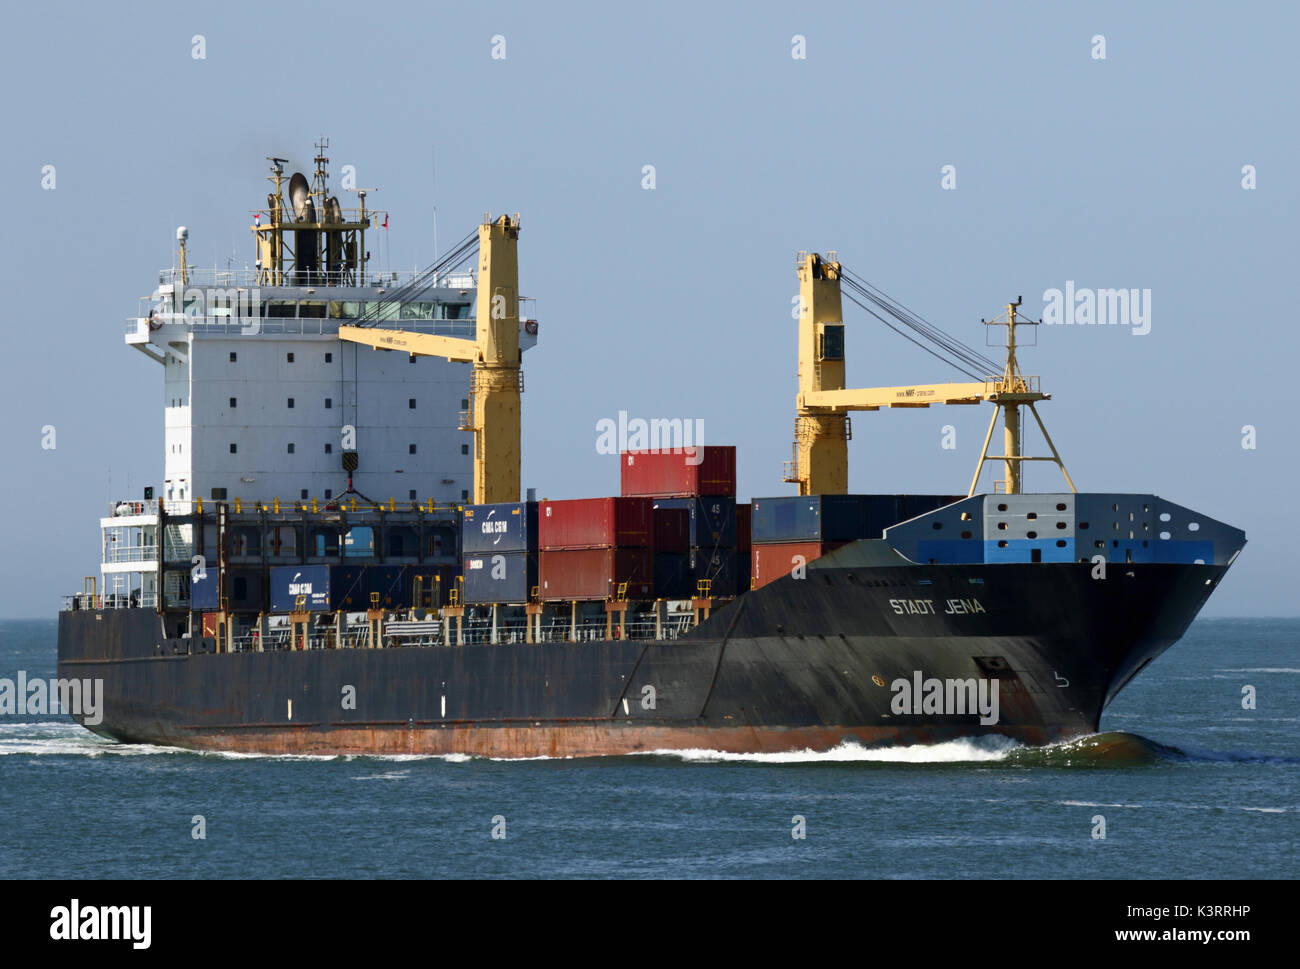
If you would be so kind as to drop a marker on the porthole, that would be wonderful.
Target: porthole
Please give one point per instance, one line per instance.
(1164, 536)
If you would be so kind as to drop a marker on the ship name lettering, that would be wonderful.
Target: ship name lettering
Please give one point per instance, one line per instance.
(913, 607)
(960, 607)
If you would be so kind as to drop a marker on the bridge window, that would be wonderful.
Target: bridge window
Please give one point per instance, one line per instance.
(280, 308)
(417, 311)
(348, 309)
(312, 311)
(453, 311)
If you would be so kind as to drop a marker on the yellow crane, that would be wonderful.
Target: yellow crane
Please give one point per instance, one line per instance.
(496, 377)
(822, 427)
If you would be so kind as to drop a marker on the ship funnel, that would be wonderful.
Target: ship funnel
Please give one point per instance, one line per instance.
(300, 196)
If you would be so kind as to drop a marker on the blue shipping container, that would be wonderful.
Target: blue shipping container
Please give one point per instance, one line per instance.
(500, 577)
(322, 587)
(204, 595)
(824, 518)
(504, 527)
(719, 567)
(359, 542)
(713, 520)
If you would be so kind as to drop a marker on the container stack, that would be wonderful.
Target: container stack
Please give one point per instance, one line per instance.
(499, 544)
(701, 482)
(589, 546)
(349, 588)
(788, 531)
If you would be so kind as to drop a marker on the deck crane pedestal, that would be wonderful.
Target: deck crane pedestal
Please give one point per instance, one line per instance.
(496, 378)
(822, 428)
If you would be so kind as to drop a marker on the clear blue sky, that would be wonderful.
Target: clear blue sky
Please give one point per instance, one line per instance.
(1123, 172)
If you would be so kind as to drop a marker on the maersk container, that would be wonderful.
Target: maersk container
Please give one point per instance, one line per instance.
(500, 577)
(672, 528)
(713, 520)
(509, 526)
(327, 588)
(774, 561)
(673, 575)
(595, 573)
(595, 523)
(718, 566)
(703, 470)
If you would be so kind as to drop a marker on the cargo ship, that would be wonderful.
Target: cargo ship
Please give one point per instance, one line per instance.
(276, 595)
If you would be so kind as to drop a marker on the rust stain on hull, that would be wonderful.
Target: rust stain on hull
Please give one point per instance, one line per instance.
(585, 740)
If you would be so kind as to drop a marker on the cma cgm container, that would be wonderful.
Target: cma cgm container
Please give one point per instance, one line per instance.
(774, 561)
(595, 573)
(595, 523)
(504, 527)
(703, 470)
(712, 522)
(327, 588)
(507, 577)
(672, 531)
(824, 518)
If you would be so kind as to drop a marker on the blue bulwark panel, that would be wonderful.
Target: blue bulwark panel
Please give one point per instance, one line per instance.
(949, 536)
(1024, 549)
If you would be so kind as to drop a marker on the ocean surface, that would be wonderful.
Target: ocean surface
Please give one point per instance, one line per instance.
(1189, 784)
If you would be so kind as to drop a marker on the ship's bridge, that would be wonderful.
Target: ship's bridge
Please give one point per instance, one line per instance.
(230, 303)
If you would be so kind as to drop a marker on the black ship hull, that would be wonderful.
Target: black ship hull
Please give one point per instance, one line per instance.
(799, 664)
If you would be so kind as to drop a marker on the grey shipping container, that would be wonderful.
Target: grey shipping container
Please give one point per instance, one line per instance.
(503, 527)
(824, 518)
(500, 577)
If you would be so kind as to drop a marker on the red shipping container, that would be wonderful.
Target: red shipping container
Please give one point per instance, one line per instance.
(594, 573)
(595, 523)
(744, 518)
(706, 470)
(771, 562)
(672, 530)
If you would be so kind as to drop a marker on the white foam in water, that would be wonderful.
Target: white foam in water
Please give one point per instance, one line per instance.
(1262, 669)
(966, 750)
(65, 738)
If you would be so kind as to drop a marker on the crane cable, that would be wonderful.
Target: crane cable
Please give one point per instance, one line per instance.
(950, 350)
(460, 253)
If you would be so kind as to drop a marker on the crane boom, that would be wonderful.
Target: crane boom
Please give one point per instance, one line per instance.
(496, 379)
(822, 428)
(419, 344)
